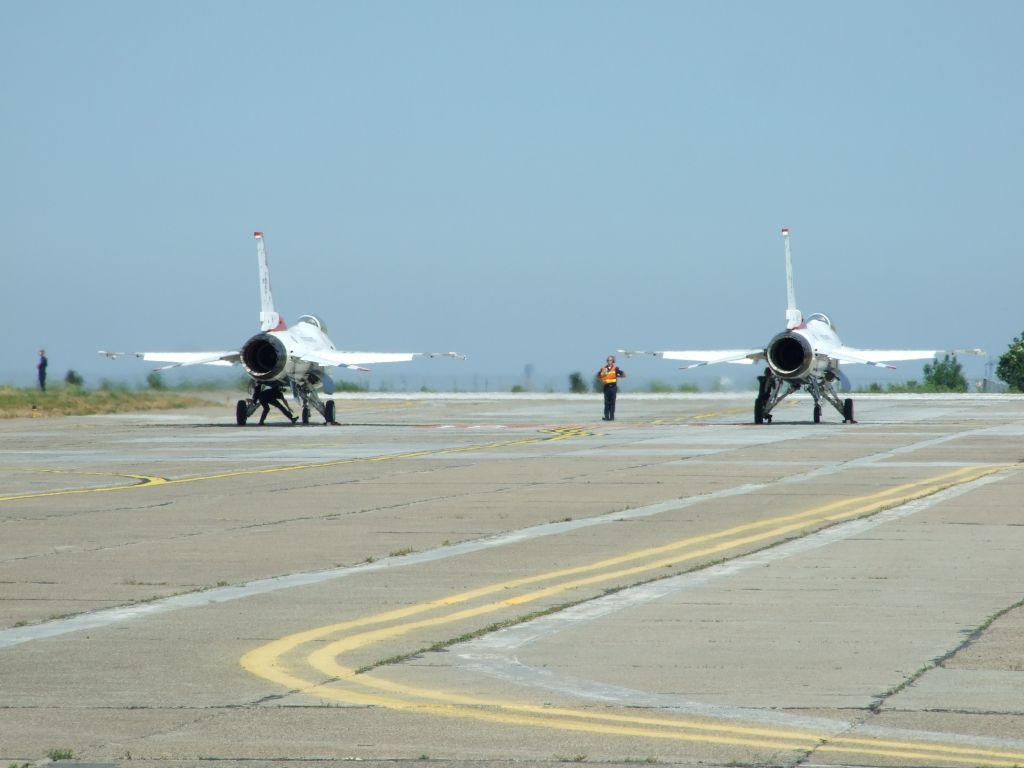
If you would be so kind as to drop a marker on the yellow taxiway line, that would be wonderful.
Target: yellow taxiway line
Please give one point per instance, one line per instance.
(315, 650)
(149, 481)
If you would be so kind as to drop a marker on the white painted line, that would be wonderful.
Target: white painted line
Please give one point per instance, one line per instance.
(494, 655)
(102, 618)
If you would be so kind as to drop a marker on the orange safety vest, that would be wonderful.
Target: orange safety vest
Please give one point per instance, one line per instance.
(608, 375)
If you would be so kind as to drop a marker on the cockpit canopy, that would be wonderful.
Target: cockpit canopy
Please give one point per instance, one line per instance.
(313, 320)
(821, 319)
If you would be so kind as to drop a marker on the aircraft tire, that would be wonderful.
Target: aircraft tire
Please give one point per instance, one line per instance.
(329, 411)
(848, 410)
(759, 411)
(241, 412)
(817, 414)
(305, 415)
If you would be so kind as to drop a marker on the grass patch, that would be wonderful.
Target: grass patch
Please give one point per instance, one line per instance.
(75, 401)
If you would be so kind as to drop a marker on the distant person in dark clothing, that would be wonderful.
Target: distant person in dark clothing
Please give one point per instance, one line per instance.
(271, 394)
(41, 367)
(609, 376)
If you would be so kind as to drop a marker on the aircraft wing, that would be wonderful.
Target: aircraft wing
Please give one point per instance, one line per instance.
(178, 359)
(879, 357)
(706, 356)
(335, 357)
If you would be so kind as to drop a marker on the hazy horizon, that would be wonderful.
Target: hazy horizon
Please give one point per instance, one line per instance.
(529, 184)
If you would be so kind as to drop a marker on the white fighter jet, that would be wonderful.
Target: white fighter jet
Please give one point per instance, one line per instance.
(804, 356)
(296, 356)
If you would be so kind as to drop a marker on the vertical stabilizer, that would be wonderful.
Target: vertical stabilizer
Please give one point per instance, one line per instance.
(269, 319)
(793, 316)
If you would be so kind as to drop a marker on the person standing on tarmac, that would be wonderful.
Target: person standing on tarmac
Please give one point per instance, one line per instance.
(609, 376)
(41, 369)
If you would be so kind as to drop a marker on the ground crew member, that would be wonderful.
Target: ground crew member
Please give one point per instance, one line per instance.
(268, 395)
(609, 377)
(41, 368)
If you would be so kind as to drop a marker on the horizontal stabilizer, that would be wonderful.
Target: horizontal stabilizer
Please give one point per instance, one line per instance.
(178, 359)
(335, 357)
(713, 356)
(880, 357)
(703, 356)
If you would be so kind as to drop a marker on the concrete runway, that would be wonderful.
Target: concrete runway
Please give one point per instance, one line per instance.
(512, 581)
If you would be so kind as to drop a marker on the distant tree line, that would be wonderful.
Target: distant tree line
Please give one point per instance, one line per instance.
(1011, 365)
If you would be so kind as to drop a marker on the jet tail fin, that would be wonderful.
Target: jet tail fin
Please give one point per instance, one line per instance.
(269, 319)
(793, 316)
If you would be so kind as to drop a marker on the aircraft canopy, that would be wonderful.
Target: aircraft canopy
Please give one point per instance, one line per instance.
(313, 320)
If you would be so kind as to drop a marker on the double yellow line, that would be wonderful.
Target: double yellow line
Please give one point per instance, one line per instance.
(320, 651)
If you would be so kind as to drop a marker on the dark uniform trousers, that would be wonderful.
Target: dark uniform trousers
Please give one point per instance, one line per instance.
(610, 391)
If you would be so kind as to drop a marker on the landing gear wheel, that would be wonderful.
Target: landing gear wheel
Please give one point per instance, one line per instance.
(759, 411)
(329, 412)
(848, 411)
(242, 412)
(817, 413)
(305, 415)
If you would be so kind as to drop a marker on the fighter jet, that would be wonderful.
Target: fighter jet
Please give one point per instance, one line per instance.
(296, 356)
(806, 355)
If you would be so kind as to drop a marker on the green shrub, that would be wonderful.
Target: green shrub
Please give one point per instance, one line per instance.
(576, 383)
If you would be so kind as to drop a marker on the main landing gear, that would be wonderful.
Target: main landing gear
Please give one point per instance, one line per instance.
(772, 390)
(328, 413)
(304, 393)
(311, 402)
(244, 409)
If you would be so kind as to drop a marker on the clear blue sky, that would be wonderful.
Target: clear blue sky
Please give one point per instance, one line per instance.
(527, 182)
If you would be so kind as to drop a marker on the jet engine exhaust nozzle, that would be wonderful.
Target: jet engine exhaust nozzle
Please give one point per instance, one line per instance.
(789, 355)
(264, 357)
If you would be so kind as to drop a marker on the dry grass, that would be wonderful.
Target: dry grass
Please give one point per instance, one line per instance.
(73, 401)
